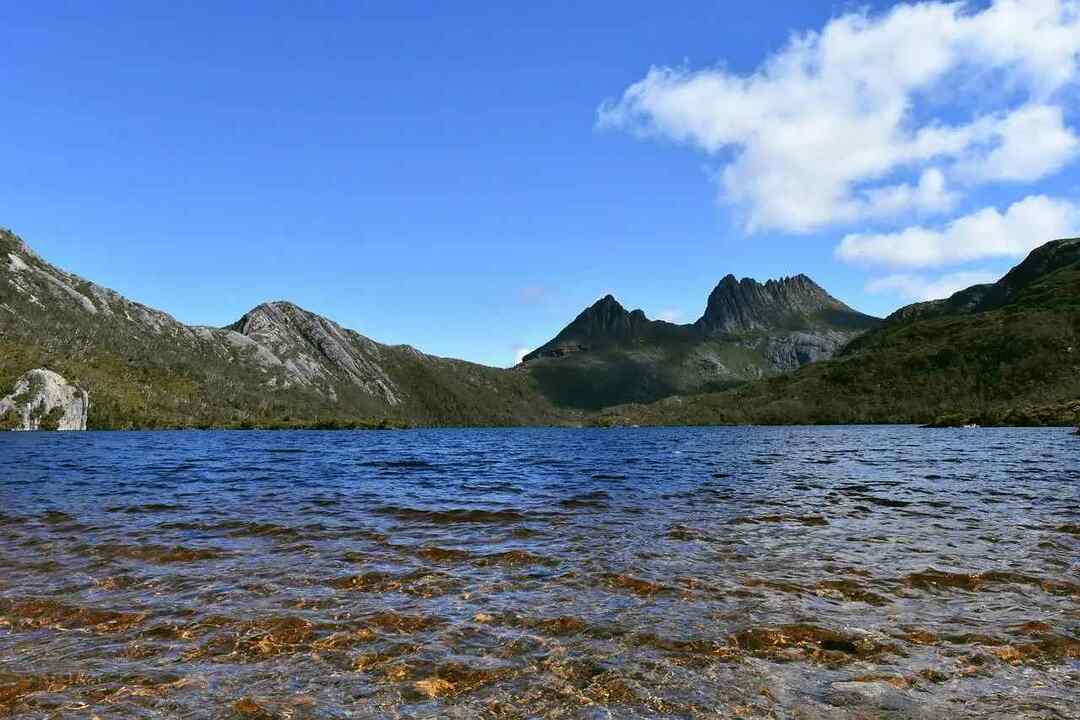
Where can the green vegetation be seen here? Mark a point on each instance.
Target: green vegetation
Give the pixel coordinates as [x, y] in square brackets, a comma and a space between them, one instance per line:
[51, 420]
[1016, 363]
[142, 369]
[10, 421]
[610, 356]
[1007, 353]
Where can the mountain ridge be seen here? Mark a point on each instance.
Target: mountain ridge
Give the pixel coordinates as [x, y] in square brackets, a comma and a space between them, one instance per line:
[1002, 353]
[278, 364]
[733, 306]
[1042, 261]
[794, 302]
[780, 351]
[609, 355]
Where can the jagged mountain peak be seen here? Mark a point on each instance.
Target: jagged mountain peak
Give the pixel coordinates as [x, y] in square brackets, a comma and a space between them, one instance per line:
[608, 306]
[734, 307]
[608, 299]
[605, 321]
[800, 280]
[787, 303]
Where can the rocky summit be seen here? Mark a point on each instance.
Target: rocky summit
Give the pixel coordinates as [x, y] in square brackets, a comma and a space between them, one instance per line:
[750, 330]
[791, 303]
[313, 351]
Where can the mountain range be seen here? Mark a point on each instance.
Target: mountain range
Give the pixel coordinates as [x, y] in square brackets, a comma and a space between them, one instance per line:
[780, 351]
[748, 331]
[279, 365]
[1004, 353]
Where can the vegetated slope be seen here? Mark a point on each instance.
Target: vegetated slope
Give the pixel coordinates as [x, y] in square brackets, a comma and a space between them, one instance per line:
[749, 330]
[279, 365]
[1002, 353]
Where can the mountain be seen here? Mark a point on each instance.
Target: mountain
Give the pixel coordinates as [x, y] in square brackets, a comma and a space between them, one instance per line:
[1041, 263]
[783, 351]
[607, 324]
[749, 330]
[1000, 353]
[792, 303]
[278, 365]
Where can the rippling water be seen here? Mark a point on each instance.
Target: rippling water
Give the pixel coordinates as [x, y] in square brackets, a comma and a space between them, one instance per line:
[661, 573]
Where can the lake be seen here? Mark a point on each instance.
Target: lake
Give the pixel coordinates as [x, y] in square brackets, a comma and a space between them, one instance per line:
[839, 572]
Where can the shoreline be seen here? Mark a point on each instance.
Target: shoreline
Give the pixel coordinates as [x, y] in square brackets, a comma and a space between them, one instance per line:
[400, 427]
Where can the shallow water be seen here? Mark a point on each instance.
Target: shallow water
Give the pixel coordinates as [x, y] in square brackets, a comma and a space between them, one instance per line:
[660, 573]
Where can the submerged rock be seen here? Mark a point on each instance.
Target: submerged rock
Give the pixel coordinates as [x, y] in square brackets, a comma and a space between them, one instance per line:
[43, 400]
[879, 695]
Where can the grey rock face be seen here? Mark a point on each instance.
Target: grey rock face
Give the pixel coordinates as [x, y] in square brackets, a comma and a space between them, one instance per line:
[316, 351]
[43, 400]
[285, 344]
[791, 303]
[792, 351]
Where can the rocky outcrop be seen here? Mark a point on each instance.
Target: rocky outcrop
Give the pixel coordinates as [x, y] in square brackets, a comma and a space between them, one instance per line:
[790, 303]
[43, 400]
[314, 350]
[792, 351]
[287, 346]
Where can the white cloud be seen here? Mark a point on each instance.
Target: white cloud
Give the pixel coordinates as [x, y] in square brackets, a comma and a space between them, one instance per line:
[520, 352]
[929, 194]
[921, 287]
[987, 233]
[826, 130]
[671, 315]
[1032, 142]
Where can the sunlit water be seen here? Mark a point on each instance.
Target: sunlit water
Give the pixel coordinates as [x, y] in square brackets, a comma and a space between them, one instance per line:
[660, 573]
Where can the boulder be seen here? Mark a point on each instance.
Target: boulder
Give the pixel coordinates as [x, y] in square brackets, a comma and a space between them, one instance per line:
[879, 695]
[43, 400]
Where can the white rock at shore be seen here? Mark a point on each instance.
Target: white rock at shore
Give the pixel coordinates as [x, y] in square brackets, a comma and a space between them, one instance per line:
[42, 396]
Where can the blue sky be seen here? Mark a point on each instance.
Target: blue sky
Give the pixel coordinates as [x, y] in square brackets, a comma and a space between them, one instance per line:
[466, 177]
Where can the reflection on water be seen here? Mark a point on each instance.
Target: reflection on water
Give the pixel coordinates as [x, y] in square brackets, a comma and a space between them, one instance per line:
[755, 573]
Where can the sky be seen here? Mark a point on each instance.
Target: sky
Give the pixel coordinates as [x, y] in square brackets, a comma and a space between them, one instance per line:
[466, 177]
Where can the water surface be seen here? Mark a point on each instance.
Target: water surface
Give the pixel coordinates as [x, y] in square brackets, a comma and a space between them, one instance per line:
[646, 573]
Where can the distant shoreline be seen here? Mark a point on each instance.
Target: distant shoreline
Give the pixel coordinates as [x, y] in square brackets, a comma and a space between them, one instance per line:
[323, 427]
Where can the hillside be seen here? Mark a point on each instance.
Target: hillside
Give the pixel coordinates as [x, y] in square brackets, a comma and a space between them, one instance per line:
[783, 351]
[748, 331]
[1003, 353]
[279, 365]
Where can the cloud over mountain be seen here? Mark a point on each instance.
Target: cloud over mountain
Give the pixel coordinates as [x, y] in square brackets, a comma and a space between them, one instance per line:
[874, 118]
[981, 235]
[920, 287]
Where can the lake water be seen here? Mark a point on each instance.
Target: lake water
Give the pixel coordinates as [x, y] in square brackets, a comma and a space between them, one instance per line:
[637, 573]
